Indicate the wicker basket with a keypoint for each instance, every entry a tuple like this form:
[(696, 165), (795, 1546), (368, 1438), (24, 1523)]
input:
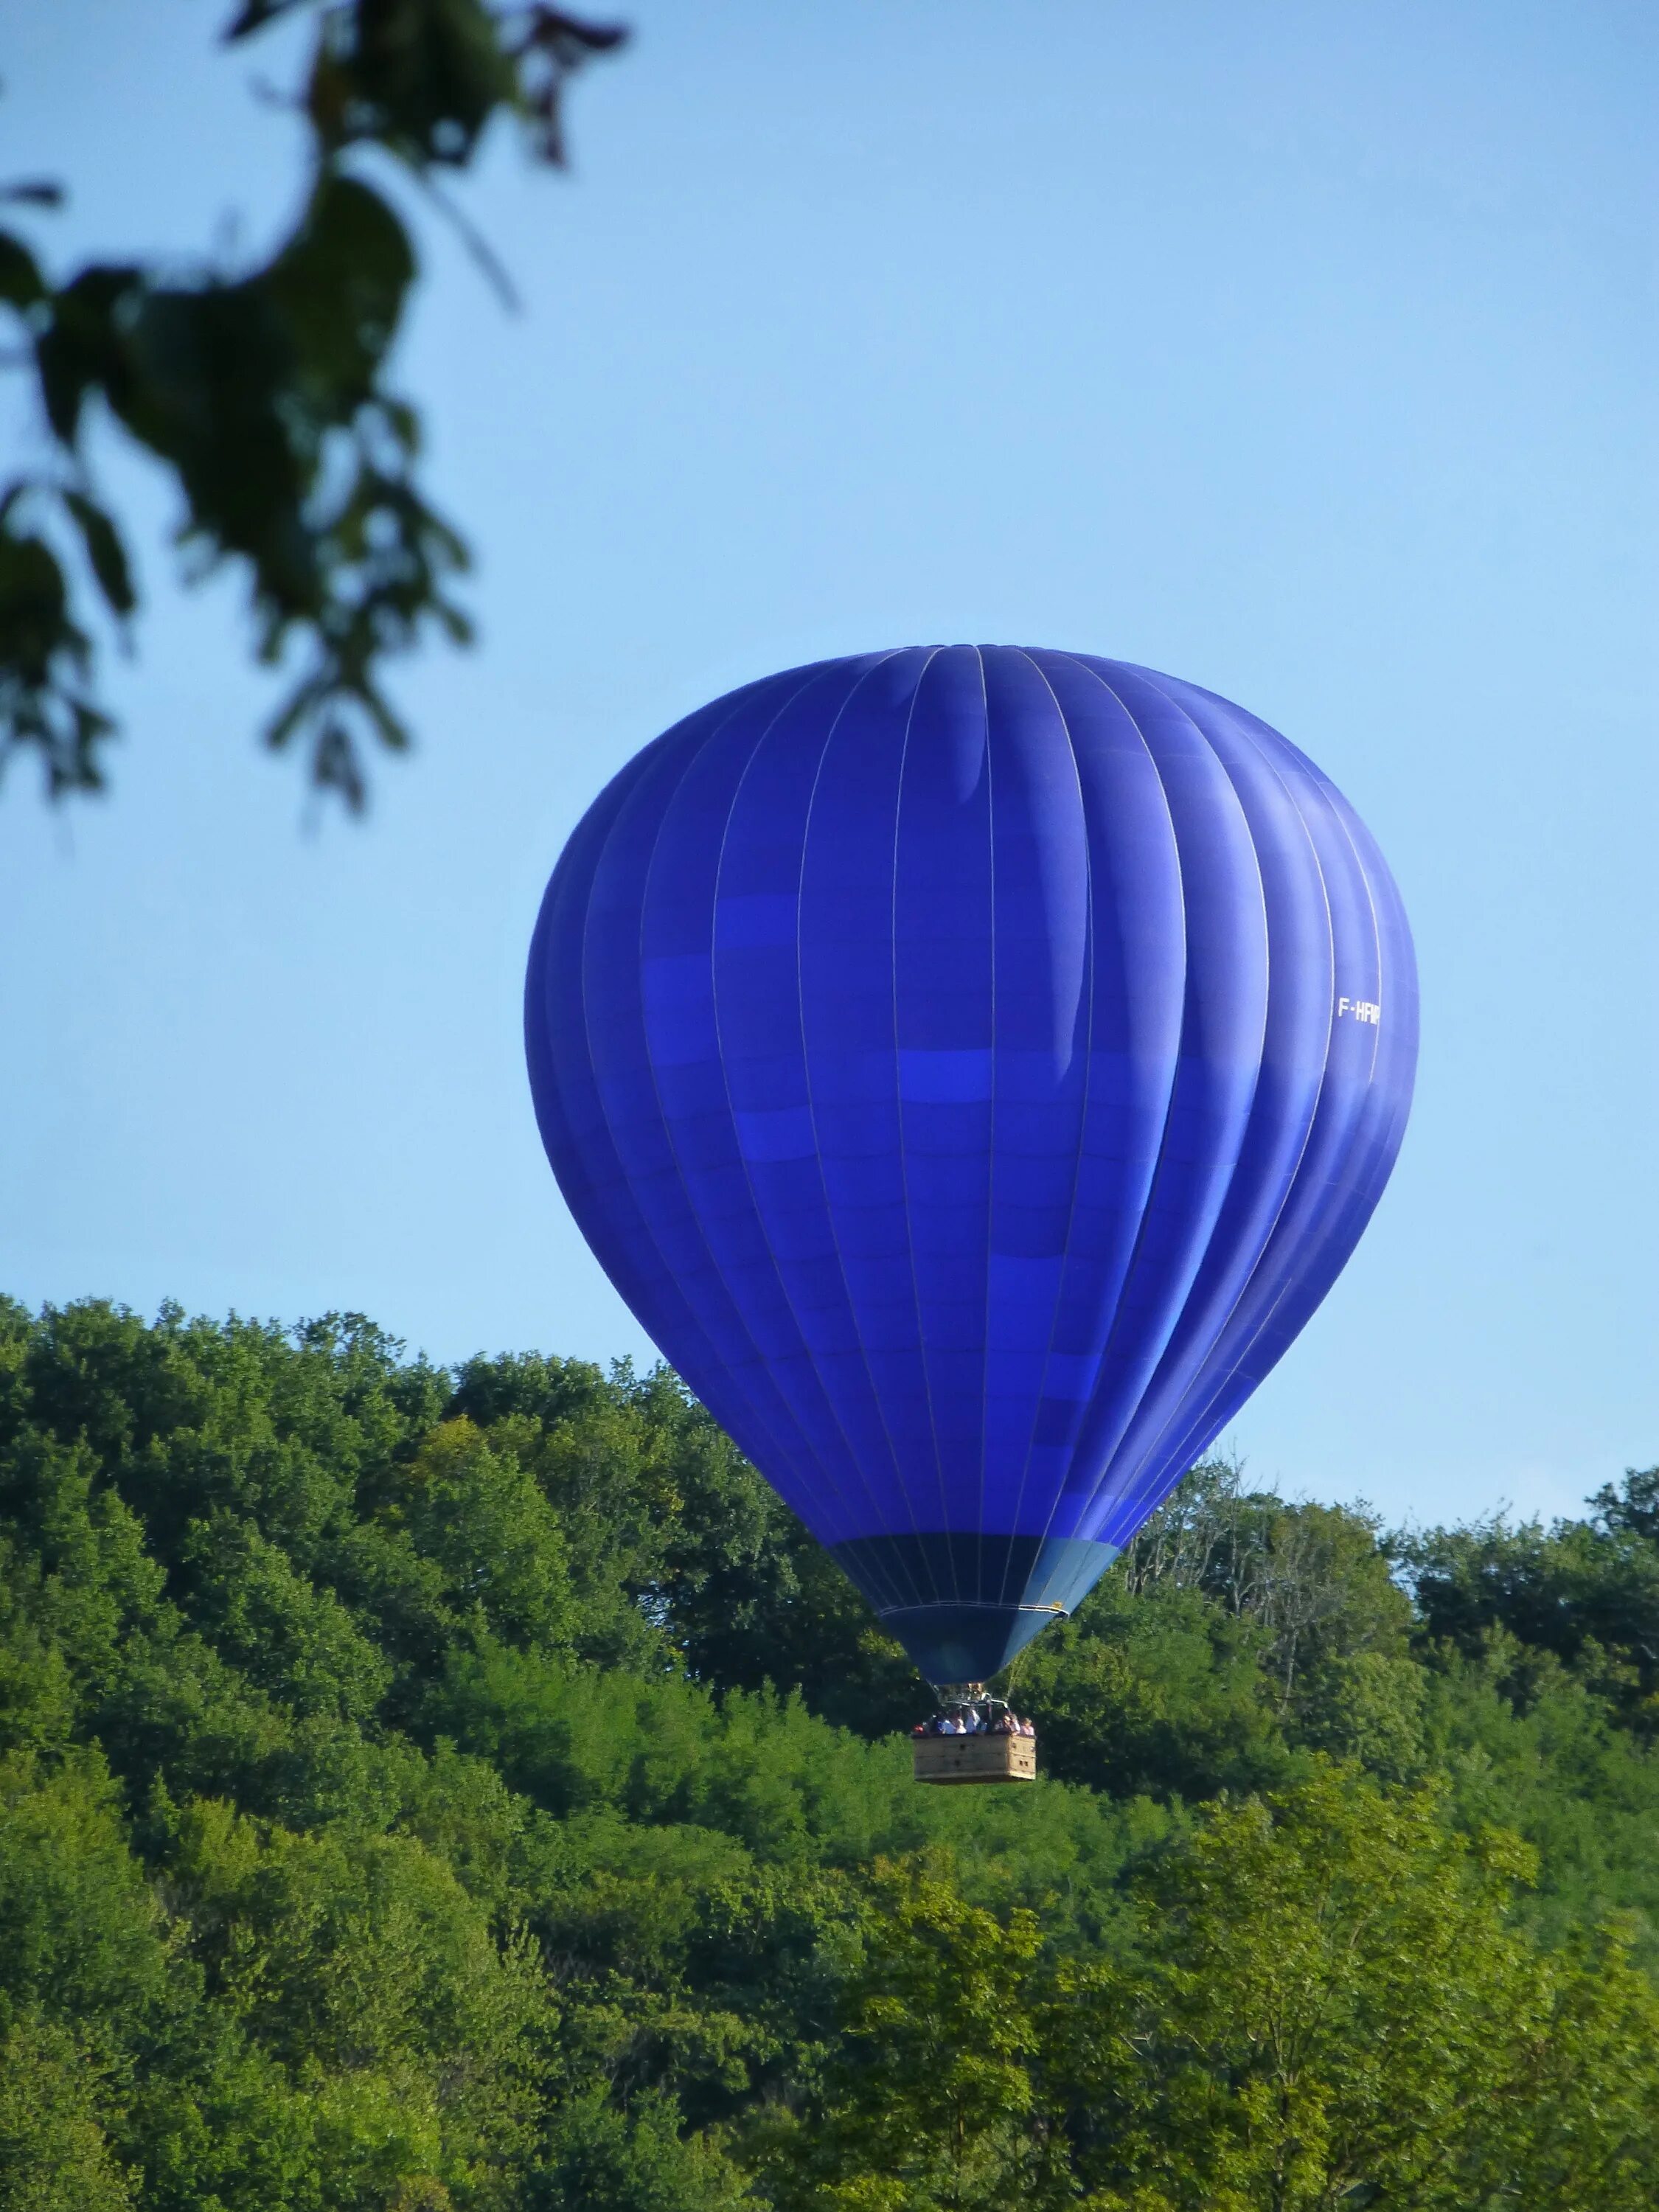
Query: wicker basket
[(973, 1758)]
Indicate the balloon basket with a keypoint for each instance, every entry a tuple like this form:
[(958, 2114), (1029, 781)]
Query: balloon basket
[(970, 1759), (988, 1755)]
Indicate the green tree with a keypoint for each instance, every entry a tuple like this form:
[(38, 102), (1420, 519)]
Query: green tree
[(54, 2154), (263, 394), (1164, 1691), (1330, 2004), (1586, 1593), (1323, 1998), (929, 2101), (360, 1964)]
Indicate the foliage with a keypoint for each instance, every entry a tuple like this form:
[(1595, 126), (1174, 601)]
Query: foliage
[(1322, 2000), (422, 1790), (263, 394), (1584, 1592), (1331, 2005), (929, 2098)]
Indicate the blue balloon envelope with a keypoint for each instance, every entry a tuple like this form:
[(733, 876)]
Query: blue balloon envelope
[(972, 1066)]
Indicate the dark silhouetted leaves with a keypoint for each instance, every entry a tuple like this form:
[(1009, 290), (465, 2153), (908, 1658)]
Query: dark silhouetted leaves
[(105, 552), (264, 397), (45, 656), (21, 282)]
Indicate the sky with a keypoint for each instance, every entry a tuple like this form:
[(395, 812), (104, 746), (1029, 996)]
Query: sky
[(1304, 351)]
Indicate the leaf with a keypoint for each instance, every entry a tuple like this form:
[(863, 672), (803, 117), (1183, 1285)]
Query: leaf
[(335, 765), (34, 191), (305, 698), (105, 551), (36, 624), (253, 15), (392, 732), (81, 349), (552, 27), (21, 282), (422, 78), (339, 285), (552, 48)]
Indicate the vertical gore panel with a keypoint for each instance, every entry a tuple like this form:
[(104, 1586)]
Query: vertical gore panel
[(849, 1024), (1223, 1023), (1041, 1036), (1360, 1115), (593, 1176), (944, 992), (703, 1143), (1301, 1000), (1138, 970), (758, 1016)]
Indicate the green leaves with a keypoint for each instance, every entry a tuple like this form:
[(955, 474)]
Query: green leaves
[(45, 657), (1325, 2001), (425, 78), (264, 397), (931, 2099), (55, 2156), (105, 552), (337, 290), (21, 282), (254, 14)]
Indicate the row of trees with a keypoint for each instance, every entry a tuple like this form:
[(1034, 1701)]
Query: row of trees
[(423, 1789)]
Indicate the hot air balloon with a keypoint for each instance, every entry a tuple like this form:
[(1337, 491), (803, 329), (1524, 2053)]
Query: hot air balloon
[(972, 1066)]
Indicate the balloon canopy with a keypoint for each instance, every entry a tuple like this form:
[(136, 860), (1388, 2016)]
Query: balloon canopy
[(972, 1066)]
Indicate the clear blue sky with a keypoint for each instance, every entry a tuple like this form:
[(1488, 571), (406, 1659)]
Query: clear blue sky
[(1304, 350)]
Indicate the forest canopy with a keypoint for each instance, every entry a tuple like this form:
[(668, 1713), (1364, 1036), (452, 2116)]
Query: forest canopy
[(423, 1788)]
